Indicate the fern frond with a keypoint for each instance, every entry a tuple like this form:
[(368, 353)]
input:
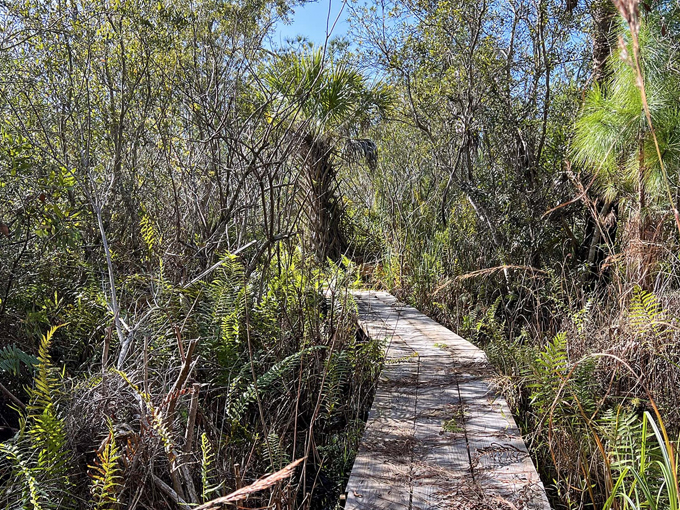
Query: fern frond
[(33, 493), (46, 381), (149, 232), (266, 380), (12, 359), (549, 370), (338, 370), (273, 452), (44, 426), (581, 318), (106, 474), (207, 469), (645, 312)]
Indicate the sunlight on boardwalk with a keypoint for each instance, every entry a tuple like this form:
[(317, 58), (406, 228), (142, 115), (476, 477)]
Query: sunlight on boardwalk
[(437, 435)]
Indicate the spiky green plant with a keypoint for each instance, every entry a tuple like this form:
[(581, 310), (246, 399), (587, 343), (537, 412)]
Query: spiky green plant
[(646, 313), (265, 382), (647, 468), (207, 469), (12, 359), (39, 454), (107, 480), (33, 496)]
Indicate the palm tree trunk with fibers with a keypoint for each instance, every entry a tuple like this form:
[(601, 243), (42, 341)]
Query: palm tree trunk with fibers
[(325, 210)]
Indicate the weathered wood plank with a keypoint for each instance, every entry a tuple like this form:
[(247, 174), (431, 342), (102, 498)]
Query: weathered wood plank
[(381, 474), (437, 436), (440, 457), (500, 462)]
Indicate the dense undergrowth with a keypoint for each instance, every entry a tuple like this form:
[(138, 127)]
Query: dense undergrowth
[(593, 389), (230, 379)]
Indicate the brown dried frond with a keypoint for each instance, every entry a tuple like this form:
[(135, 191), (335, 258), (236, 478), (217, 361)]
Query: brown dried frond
[(260, 485), (492, 270)]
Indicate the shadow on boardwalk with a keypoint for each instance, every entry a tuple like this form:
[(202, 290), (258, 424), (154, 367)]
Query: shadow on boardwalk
[(437, 436)]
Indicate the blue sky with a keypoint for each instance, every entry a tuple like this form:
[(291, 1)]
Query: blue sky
[(312, 19)]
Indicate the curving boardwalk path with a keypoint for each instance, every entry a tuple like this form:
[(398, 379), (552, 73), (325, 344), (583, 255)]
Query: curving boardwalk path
[(437, 435)]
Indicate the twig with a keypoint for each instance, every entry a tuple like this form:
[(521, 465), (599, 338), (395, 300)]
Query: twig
[(218, 264), (165, 488), (126, 343), (188, 442), (181, 379), (193, 408), (12, 397), (491, 270)]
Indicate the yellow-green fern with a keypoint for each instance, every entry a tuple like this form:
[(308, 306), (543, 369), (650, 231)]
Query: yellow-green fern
[(646, 314), (106, 475), (44, 426), (32, 495), (150, 234), (38, 454), (207, 469)]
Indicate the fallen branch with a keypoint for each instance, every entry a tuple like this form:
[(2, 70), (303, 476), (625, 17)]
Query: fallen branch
[(215, 266)]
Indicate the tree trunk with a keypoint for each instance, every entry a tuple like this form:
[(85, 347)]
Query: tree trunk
[(604, 20), (325, 211)]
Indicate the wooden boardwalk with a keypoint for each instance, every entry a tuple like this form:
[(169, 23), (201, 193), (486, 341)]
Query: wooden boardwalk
[(437, 435)]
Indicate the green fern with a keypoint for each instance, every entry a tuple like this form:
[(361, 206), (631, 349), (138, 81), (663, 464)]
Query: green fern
[(273, 452), (12, 359), (223, 312), (554, 358), (149, 232), (106, 474), (644, 467), (46, 381), (207, 469), (645, 312), (550, 368), (33, 494), (265, 381), (45, 427), (619, 427), (581, 318), (39, 455), (339, 371)]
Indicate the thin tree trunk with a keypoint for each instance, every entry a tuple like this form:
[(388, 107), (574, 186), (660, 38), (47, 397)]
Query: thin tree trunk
[(604, 19)]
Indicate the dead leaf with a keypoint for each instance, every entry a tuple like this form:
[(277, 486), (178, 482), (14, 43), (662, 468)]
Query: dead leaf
[(4, 230)]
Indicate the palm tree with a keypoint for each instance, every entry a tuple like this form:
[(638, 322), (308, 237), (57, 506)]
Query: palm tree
[(327, 105)]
